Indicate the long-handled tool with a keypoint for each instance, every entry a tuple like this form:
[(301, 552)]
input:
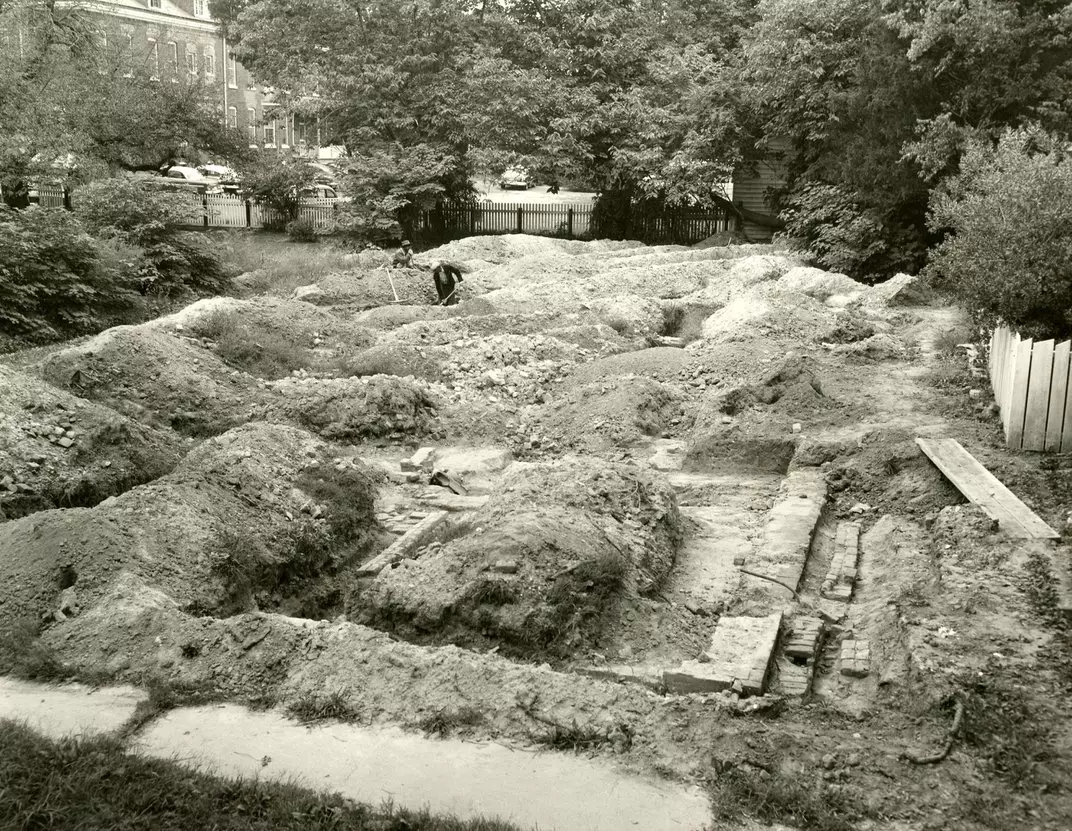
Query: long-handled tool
[(392, 282), (443, 302)]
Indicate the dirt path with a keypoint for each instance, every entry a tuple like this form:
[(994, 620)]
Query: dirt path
[(372, 764)]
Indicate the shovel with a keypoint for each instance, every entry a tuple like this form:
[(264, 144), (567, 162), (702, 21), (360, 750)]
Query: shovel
[(392, 282)]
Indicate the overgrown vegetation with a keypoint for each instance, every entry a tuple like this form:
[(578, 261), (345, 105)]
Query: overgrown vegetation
[(95, 783), (255, 349), (23, 655), (775, 794), (1008, 214), (275, 265), (56, 281), (312, 708)]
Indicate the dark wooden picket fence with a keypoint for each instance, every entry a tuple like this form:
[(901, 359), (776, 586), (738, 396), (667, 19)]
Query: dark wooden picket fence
[(571, 221)]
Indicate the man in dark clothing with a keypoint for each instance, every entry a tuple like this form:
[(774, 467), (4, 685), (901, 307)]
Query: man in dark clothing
[(446, 279)]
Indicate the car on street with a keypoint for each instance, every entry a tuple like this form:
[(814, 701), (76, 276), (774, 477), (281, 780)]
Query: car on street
[(227, 177), (183, 177), (515, 177)]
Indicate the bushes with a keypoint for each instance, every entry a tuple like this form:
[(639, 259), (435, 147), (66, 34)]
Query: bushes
[(56, 281), (172, 261), (1008, 213)]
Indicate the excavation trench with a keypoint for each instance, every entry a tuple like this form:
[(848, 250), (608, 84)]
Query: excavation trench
[(373, 764)]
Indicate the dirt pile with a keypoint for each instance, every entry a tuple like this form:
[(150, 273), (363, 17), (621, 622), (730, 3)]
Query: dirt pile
[(352, 409), (61, 451), (504, 247), (544, 564), (613, 413), (231, 508), (159, 378)]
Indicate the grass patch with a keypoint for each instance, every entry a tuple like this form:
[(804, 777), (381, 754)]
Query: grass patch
[(312, 708), (23, 655), (1001, 725), (392, 360), (91, 783), (448, 722), (258, 350), (775, 796), (278, 265)]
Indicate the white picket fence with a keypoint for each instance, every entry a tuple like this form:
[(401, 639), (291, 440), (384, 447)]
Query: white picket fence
[(224, 210), (1032, 387)]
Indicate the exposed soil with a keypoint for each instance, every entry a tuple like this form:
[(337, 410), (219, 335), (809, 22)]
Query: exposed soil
[(191, 500)]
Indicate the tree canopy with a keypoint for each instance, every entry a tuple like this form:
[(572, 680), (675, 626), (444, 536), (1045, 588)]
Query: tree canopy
[(76, 102)]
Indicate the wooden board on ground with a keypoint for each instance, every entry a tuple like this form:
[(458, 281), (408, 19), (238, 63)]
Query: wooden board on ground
[(982, 488)]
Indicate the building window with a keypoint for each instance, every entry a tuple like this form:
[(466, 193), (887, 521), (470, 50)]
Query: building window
[(208, 62), (232, 72), (154, 60), (251, 115), (269, 134), (128, 56), (232, 117), (155, 4), (201, 8), (282, 133), (172, 60), (191, 60)]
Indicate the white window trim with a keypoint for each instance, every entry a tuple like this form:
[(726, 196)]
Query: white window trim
[(208, 61), (154, 59), (232, 72)]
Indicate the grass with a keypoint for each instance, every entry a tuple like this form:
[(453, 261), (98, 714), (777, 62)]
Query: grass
[(23, 655), (773, 795), (447, 722), (281, 265), (93, 784), (312, 708), (262, 352)]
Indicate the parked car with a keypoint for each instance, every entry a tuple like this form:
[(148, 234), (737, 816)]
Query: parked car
[(319, 191), (190, 178), (227, 177), (515, 177)]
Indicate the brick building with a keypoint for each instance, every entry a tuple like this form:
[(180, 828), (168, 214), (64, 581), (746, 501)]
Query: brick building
[(179, 38)]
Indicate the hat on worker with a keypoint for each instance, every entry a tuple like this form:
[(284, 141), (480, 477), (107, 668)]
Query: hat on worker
[(405, 242)]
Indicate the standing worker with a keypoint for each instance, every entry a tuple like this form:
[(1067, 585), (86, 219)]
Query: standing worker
[(446, 279), (403, 256)]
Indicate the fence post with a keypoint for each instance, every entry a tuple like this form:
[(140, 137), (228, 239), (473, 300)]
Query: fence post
[(520, 220), (472, 220), (67, 198), (569, 221), (249, 213), (204, 209)]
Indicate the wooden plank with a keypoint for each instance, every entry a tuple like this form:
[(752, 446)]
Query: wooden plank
[(1018, 394), (1066, 423), (984, 489), (1058, 396), (1038, 396)]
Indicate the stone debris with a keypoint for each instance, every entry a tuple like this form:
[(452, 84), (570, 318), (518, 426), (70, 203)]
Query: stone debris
[(416, 537), (739, 654), (855, 658), (423, 459), (841, 576)]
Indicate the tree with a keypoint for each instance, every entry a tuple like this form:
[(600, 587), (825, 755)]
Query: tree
[(1007, 217), (72, 110)]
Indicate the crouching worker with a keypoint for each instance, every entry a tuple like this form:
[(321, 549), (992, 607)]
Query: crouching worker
[(403, 256), (446, 279)]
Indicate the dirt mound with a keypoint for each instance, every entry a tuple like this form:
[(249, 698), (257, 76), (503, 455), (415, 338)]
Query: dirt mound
[(392, 358), (544, 564), (504, 247), (230, 507), (615, 412), (818, 284), (662, 363), (395, 315), (793, 382), (58, 450), (751, 315), (887, 471), (365, 289), (353, 409), (728, 449), (160, 378)]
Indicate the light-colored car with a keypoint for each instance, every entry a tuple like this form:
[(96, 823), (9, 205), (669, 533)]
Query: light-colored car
[(515, 177), (191, 178)]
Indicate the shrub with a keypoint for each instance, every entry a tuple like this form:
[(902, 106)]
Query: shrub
[(278, 185), (262, 352), (1008, 215), (56, 281), (172, 261), (839, 234), (302, 230)]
